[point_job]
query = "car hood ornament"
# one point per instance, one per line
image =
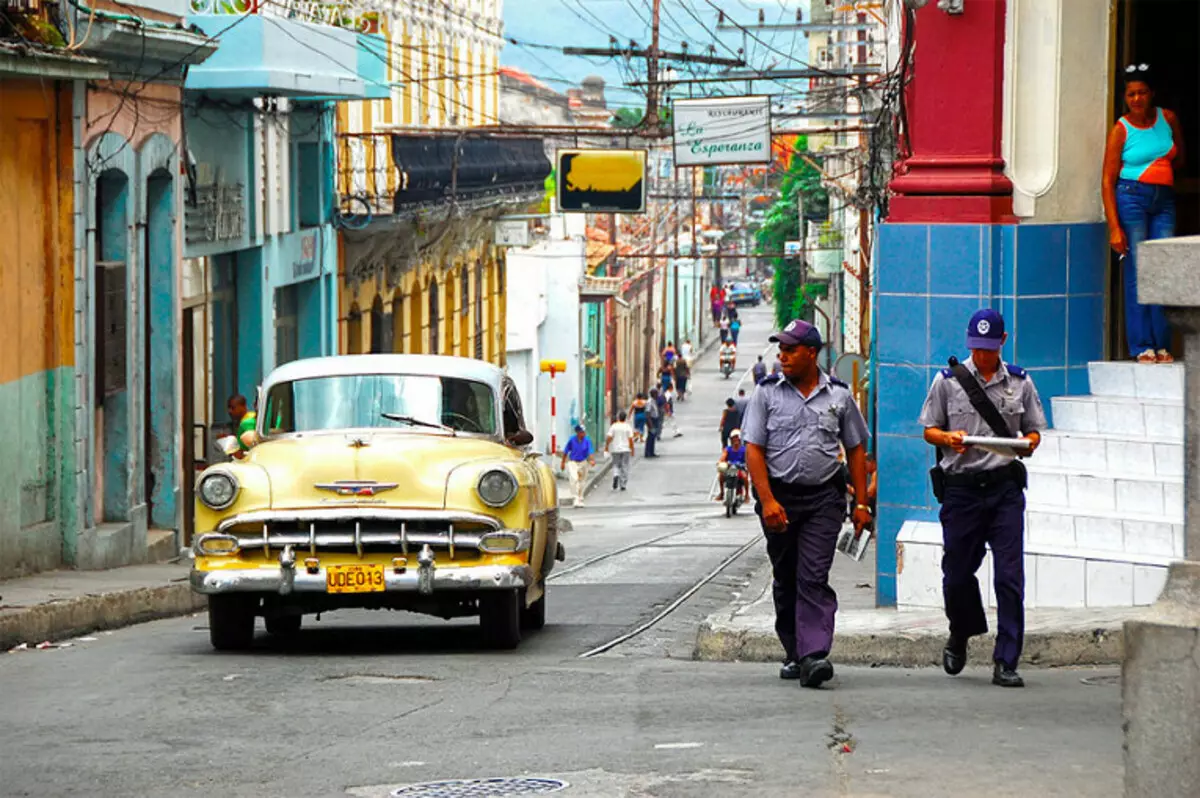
(356, 487)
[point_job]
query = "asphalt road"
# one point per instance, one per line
(364, 703)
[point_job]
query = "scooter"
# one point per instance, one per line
(726, 368)
(731, 478)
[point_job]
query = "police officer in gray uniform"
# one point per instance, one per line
(983, 498)
(794, 428)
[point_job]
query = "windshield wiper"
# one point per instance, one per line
(416, 422)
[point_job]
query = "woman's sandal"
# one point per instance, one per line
(1147, 356)
(1164, 357)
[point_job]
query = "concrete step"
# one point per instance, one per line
(1091, 452)
(1137, 381)
(1130, 535)
(1155, 420)
(160, 545)
(1054, 577)
(1074, 489)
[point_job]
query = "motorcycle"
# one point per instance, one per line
(732, 477)
(726, 368)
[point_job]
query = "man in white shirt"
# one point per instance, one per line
(619, 444)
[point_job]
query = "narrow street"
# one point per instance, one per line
(364, 703)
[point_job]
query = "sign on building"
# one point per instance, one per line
(512, 233)
(722, 130)
(791, 249)
(602, 181)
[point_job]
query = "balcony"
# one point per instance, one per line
(303, 50)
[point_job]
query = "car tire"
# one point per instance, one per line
(231, 621)
(500, 619)
(284, 625)
(533, 617)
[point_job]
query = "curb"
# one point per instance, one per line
(73, 617)
(718, 641)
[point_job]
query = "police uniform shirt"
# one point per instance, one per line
(947, 407)
(802, 436)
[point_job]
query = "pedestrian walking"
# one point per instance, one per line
(669, 354)
(735, 327)
(982, 493)
(578, 457)
(638, 409)
(794, 429)
(683, 373)
(759, 371)
(653, 422)
(716, 301)
(731, 419)
(725, 336)
(741, 401)
(687, 351)
(618, 444)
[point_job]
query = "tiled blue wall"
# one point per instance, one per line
(1048, 281)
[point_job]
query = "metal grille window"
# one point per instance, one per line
(398, 322)
(379, 343)
(479, 309)
(287, 328)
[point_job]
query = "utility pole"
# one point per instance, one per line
(652, 70)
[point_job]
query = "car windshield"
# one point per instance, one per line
(361, 400)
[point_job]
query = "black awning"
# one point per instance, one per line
(438, 167)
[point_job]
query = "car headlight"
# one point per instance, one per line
(217, 490)
(497, 487)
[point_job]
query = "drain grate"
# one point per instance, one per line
(481, 788)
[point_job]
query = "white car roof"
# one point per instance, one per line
(347, 365)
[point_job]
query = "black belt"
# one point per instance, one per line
(1013, 472)
(783, 489)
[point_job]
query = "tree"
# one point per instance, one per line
(629, 118)
(782, 224)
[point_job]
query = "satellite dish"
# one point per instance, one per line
(844, 368)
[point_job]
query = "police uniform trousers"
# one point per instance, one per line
(978, 511)
(801, 557)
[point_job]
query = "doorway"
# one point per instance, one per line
(1161, 33)
(111, 492)
(159, 467)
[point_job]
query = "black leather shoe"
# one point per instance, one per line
(954, 656)
(815, 671)
(1006, 676)
(790, 670)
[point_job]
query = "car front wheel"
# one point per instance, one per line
(231, 621)
(500, 618)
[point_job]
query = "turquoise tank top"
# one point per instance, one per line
(1146, 154)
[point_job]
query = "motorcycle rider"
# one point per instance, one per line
(728, 354)
(735, 456)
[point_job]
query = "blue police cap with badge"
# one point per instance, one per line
(798, 333)
(985, 330)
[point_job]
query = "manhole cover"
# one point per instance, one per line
(1101, 681)
(481, 788)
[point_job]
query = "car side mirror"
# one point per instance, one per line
(521, 437)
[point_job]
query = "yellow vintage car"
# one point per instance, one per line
(384, 482)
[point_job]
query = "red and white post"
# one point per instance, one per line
(553, 367)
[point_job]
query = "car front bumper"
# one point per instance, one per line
(423, 580)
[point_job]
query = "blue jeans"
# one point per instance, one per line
(1146, 213)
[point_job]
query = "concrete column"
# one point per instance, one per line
(1161, 673)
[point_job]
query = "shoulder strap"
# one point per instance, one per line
(979, 399)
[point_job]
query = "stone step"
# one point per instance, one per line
(160, 545)
(1139, 419)
(1054, 577)
(1134, 494)
(1137, 381)
(1124, 533)
(1089, 452)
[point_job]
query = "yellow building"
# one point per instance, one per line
(421, 177)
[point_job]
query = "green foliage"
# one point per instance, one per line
(629, 118)
(782, 224)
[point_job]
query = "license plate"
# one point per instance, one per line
(354, 579)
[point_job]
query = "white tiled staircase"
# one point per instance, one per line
(1104, 510)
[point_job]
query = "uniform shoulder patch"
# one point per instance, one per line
(947, 373)
(1016, 371)
(771, 379)
(835, 381)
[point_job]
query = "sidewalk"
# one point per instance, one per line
(62, 604)
(866, 635)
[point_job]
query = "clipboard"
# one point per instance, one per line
(1008, 447)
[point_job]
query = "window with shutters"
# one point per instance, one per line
(434, 318)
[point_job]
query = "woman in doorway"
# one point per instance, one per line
(1145, 148)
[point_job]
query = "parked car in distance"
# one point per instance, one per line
(380, 482)
(745, 294)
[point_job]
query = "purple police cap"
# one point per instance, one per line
(798, 333)
(985, 330)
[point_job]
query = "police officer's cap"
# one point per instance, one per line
(798, 333)
(985, 330)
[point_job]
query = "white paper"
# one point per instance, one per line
(1006, 447)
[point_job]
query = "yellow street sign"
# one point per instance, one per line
(602, 181)
(554, 365)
